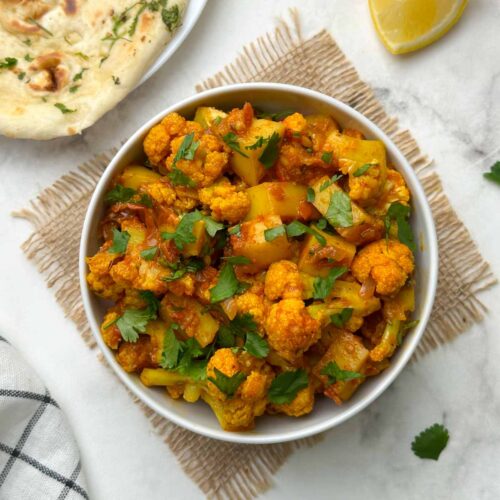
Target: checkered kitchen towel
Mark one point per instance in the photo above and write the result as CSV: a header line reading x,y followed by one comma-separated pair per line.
x,y
39,458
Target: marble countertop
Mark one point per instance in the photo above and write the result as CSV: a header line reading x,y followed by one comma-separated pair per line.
x,y
449,95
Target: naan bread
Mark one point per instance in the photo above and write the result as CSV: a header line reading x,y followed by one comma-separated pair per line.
x,y
64,63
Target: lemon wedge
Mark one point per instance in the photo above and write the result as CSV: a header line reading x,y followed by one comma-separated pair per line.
x,y
408,25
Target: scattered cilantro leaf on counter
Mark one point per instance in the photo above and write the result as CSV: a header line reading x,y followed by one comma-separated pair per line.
x,y
256,345
363,169
63,109
401,214
258,143
183,234
179,178
494,175
28,58
327,157
8,62
286,385
231,139
271,151
296,228
149,253
336,374
235,230
134,321
116,79
277,117
323,286
339,213
311,195
431,442
274,232
329,182
192,265
228,284
120,241
171,348
227,385
341,318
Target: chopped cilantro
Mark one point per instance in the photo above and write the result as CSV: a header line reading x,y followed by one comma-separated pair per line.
x,y
311,195
286,385
270,154
323,286
134,321
231,139
336,374
21,75
183,234
341,318
363,169
63,109
149,253
8,62
171,17
274,232
28,58
327,157
431,442
121,194
171,348
401,214
227,385
179,178
258,143
235,230
296,228
212,226
120,241
192,265
237,260
256,345
329,182
79,75
339,213
187,149
74,88
227,284
322,223
277,117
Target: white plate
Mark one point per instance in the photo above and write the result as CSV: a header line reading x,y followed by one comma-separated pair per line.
x,y
191,16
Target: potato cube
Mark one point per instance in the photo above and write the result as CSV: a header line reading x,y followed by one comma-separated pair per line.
x,y
135,176
206,115
195,249
251,243
249,168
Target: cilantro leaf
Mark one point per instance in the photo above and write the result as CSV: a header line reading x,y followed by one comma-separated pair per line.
x,y
341,318
256,345
286,385
274,232
183,234
336,374
235,230
431,442
228,385
237,260
296,228
322,223
231,139
171,17
327,157
212,226
401,214
149,253
363,169
134,321
339,213
8,62
270,154
79,75
63,109
120,241
258,143
311,195
120,194
187,149
179,178
171,348
330,181
323,286
494,175
277,117
192,265
227,284
28,58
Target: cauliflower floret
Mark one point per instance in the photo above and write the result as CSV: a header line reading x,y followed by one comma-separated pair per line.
x,y
183,286
254,304
302,404
182,198
137,273
283,281
157,144
225,202
133,357
209,161
388,263
99,278
366,188
250,399
109,331
290,329
395,190
295,123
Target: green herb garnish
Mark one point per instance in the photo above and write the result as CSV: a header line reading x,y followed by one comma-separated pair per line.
x,y
311,195
231,139
431,442
171,348
277,117
227,385
192,265
134,321
329,182
401,214
120,241
270,154
116,79
28,58
21,75
327,157
339,213
179,178
149,253
63,109
341,318
323,286
8,62
274,232
296,228
258,143
228,284
363,169
336,374
286,385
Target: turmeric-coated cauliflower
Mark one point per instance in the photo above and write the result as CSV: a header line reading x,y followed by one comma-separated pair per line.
x,y
253,304
302,404
133,357
157,144
181,198
366,188
133,271
225,202
210,159
109,331
290,329
99,278
283,281
388,263
395,190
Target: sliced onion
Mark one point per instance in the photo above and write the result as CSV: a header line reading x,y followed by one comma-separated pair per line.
x,y
367,288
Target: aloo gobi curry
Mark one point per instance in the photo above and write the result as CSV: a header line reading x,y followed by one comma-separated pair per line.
x,y
256,261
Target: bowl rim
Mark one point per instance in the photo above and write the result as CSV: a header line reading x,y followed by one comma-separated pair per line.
x,y
396,367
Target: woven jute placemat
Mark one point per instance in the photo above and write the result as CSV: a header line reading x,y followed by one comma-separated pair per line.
x,y
224,470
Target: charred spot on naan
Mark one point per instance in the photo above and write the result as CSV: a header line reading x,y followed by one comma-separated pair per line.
x,y
70,7
49,73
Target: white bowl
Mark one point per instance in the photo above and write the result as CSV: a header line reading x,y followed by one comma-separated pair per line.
x,y
198,417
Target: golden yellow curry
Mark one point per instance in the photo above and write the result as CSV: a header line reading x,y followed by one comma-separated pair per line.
x,y
256,261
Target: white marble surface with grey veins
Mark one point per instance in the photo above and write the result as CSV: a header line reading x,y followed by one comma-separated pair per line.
x,y
449,94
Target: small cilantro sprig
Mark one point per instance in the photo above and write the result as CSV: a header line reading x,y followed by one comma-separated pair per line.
x,y
171,348
339,213
235,230
327,157
336,374
341,318
311,195
329,182
149,253
274,232
231,139
228,284
8,62
134,321
277,117
120,241
400,214
431,442
179,178
494,175
192,265
63,109
270,154
363,169
258,143
286,385
227,385
121,194
187,149
323,286
296,228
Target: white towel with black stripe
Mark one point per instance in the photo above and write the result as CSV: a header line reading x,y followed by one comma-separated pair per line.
x,y
39,457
